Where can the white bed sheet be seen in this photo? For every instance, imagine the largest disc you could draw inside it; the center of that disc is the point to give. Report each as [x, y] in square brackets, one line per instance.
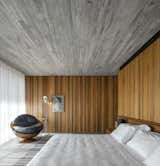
[85, 150]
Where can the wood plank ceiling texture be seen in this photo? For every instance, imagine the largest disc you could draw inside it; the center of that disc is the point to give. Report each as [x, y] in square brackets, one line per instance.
[74, 37]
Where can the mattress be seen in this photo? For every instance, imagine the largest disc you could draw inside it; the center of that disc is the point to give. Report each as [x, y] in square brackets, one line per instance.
[85, 150]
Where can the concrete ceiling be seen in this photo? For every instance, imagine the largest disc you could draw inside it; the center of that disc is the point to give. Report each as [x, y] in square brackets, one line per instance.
[74, 37]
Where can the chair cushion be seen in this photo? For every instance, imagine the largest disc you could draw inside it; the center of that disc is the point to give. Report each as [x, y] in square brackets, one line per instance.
[28, 130]
[25, 120]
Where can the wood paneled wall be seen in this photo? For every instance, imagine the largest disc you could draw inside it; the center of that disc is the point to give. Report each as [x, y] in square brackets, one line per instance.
[90, 102]
[139, 86]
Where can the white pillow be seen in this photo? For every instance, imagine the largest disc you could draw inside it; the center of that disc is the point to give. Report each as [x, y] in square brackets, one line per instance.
[154, 158]
[143, 127]
[123, 133]
[144, 143]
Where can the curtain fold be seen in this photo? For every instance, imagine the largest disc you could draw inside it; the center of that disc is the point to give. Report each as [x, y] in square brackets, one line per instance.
[12, 99]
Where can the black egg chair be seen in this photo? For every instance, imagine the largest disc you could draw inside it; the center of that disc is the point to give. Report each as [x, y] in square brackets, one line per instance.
[27, 127]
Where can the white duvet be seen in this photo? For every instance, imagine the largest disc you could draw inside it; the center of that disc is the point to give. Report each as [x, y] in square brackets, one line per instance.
[84, 150]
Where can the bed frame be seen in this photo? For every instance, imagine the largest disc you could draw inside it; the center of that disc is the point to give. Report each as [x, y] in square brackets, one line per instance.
[154, 126]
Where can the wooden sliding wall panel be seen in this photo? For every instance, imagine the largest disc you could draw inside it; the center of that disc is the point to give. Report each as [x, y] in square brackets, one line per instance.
[70, 99]
[156, 78]
[89, 102]
[133, 89]
[28, 95]
[110, 102]
[146, 107]
[64, 120]
[99, 106]
[83, 102]
[49, 90]
[92, 105]
[115, 97]
[150, 83]
[104, 103]
[34, 88]
[121, 93]
[129, 90]
[139, 86]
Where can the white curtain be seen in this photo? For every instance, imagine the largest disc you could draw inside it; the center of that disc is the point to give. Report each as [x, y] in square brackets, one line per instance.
[12, 99]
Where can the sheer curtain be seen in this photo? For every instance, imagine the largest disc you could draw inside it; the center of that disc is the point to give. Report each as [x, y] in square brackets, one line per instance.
[12, 99]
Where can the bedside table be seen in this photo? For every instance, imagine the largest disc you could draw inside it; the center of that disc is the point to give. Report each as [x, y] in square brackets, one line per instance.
[108, 131]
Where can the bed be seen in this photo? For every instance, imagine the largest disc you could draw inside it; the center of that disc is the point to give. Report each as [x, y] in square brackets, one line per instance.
[85, 150]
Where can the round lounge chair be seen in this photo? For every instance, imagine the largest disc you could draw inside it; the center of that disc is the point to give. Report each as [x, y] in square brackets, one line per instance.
[27, 127]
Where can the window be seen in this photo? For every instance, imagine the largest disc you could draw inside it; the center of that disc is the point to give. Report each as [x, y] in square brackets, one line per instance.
[12, 99]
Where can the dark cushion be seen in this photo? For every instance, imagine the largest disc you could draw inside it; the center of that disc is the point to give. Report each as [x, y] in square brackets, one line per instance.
[30, 129]
[25, 120]
[119, 121]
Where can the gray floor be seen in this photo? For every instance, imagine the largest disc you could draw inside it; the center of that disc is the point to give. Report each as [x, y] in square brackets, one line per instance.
[12, 153]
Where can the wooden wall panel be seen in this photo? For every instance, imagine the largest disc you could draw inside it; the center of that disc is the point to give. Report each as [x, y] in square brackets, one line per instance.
[150, 83]
[139, 86]
[49, 88]
[129, 90]
[90, 102]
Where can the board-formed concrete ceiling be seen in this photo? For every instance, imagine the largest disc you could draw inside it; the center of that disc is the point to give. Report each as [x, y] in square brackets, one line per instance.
[74, 37]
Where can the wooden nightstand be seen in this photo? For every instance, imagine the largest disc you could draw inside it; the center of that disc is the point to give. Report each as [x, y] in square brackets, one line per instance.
[108, 131]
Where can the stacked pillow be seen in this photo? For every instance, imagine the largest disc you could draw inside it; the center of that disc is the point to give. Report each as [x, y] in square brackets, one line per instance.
[141, 140]
[124, 132]
[147, 145]
[144, 143]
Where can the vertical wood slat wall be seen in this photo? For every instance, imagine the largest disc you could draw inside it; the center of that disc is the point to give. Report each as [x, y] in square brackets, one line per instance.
[90, 102]
[139, 86]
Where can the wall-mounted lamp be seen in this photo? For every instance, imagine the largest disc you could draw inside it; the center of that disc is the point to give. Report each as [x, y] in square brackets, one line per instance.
[46, 100]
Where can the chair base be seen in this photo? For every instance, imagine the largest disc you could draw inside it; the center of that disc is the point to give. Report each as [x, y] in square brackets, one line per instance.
[30, 140]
